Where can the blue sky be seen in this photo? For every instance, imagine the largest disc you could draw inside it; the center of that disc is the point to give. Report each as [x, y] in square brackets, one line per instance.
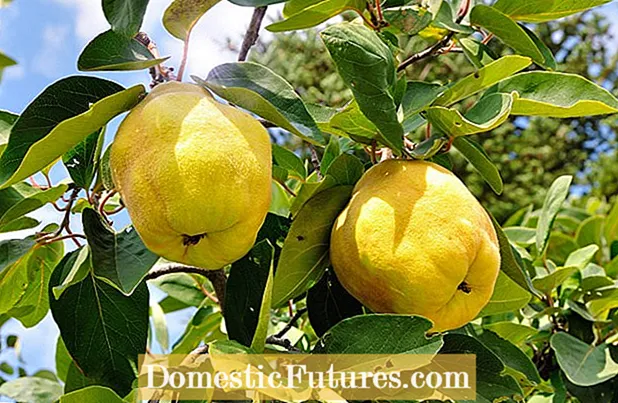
[46, 37]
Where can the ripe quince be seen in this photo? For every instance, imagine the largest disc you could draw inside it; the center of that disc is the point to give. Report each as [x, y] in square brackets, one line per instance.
[194, 174]
[414, 240]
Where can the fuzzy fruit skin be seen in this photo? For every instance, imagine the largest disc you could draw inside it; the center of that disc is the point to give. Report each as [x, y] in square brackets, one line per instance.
[410, 236]
[187, 165]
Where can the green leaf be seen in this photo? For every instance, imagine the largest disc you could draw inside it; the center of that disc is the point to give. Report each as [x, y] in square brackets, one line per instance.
[328, 303]
[63, 360]
[593, 277]
[125, 16]
[409, 20]
[611, 224]
[261, 331]
[510, 355]
[584, 365]
[367, 66]
[550, 60]
[331, 152]
[521, 235]
[590, 231]
[556, 195]
[31, 389]
[112, 330]
[181, 286]
[74, 267]
[290, 161]
[508, 31]
[7, 119]
[545, 10]
[379, 334]
[508, 296]
[351, 123]
[302, 14]
[92, 394]
[182, 15]
[259, 90]
[475, 155]
[105, 171]
[581, 257]
[558, 95]
[484, 78]
[83, 159]
[119, 258]
[478, 53]
[110, 51]
[418, 96]
[15, 256]
[305, 250]
[33, 305]
[159, 325]
[490, 112]
[245, 294]
[24, 199]
[560, 246]
[59, 119]
[514, 332]
[548, 283]
[510, 261]
[203, 326]
[346, 169]
[491, 385]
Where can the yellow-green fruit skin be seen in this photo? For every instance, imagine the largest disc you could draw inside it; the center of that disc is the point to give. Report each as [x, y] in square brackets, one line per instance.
[188, 166]
[413, 240]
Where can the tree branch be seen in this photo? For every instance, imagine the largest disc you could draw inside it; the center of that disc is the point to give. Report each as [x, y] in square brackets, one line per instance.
[285, 343]
[252, 34]
[217, 278]
[291, 323]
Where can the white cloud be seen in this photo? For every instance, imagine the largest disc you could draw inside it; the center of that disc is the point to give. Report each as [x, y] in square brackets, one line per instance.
[16, 72]
[89, 18]
[48, 60]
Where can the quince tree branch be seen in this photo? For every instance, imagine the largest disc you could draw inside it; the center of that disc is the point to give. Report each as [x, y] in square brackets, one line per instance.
[253, 32]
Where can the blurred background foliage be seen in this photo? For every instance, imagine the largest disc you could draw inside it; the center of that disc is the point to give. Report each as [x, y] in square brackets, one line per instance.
[530, 153]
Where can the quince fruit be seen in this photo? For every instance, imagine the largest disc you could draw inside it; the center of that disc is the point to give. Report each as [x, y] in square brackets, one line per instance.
[413, 240]
[194, 174]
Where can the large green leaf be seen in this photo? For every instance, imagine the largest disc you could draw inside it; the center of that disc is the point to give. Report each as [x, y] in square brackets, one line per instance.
[508, 31]
[125, 16]
[15, 257]
[546, 282]
[110, 51]
[59, 119]
[82, 161]
[103, 330]
[31, 389]
[182, 287]
[289, 161]
[583, 364]
[490, 112]
[33, 305]
[92, 394]
[556, 195]
[182, 15]
[611, 224]
[478, 53]
[545, 10]
[367, 66]
[305, 250]
[120, 258]
[475, 155]
[350, 122]
[558, 95]
[245, 292]
[328, 303]
[491, 385]
[74, 267]
[508, 296]
[303, 14]
[261, 91]
[21, 199]
[483, 78]
[7, 119]
[380, 334]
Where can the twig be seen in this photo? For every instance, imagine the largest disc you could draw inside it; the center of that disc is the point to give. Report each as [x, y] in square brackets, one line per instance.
[207, 293]
[286, 187]
[62, 238]
[216, 277]
[315, 161]
[291, 323]
[185, 55]
[379, 11]
[285, 343]
[102, 203]
[65, 220]
[159, 73]
[252, 34]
